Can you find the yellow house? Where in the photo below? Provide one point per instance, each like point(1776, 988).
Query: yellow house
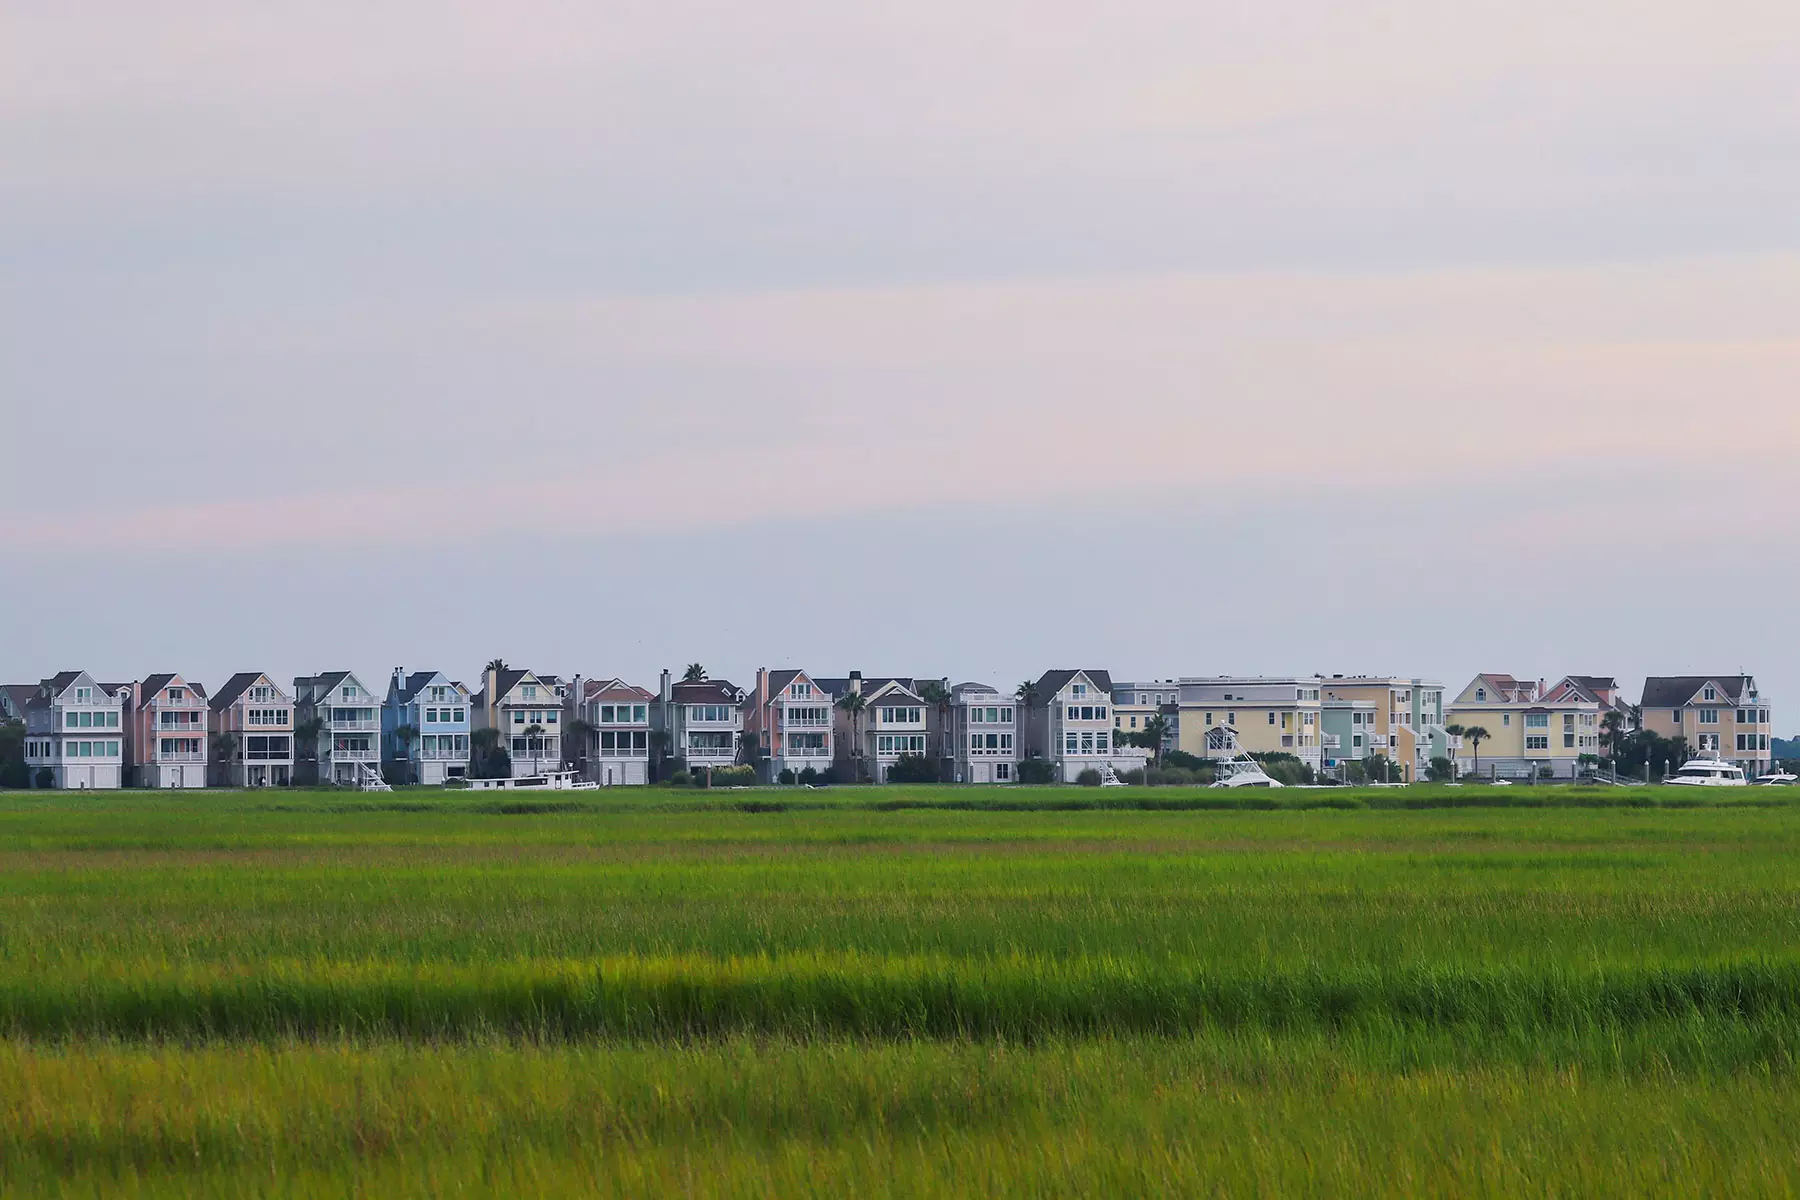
point(1530, 731)
point(1724, 715)
point(1225, 715)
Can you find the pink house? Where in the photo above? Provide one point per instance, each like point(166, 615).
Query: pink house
point(167, 737)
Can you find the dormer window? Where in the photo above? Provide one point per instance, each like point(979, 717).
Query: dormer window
point(529, 692)
point(1711, 693)
point(177, 694)
point(801, 690)
point(84, 695)
point(348, 693)
point(1481, 695)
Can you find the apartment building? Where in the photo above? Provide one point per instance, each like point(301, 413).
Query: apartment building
point(1134, 704)
point(984, 735)
point(1400, 719)
point(1223, 716)
point(1533, 731)
point(75, 732)
point(527, 709)
point(1726, 715)
point(616, 749)
point(1069, 723)
point(258, 718)
point(346, 750)
point(702, 721)
point(167, 743)
point(426, 719)
point(790, 718)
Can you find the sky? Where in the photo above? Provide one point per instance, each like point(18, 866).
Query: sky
point(1171, 337)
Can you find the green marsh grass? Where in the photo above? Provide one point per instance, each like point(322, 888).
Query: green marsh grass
point(899, 992)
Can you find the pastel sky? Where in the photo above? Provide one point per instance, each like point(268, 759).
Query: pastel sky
point(1168, 336)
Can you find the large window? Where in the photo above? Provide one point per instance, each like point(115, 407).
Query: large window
point(1537, 741)
point(1537, 720)
point(1709, 716)
point(709, 712)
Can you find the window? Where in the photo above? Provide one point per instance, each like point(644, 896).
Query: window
point(1002, 771)
point(1506, 719)
point(1481, 695)
point(1568, 720)
point(1568, 741)
point(1711, 693)
point(1231, 718)
point(528, 692)
point(261, 695)
point(84, 695)
point(1537, 741)
point(348, 693)
point(1100, 743)
point(640, 713)
point(801, 690)
point(457, 715)
point(1709, 716)
point(1078, 690)
point(1070, 743)
point(518, 717)
point(1537, 720)
point(1271, 717)
point(1087, 743)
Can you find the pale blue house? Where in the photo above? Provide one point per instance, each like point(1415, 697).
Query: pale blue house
point(437, 709)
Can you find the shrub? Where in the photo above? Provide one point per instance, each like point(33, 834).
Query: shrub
point(1183, 760)
point(741, 776)
point(1036, 770)
point(787, 776)
point(913, 768)
point(810, 776)
point(1088, 778)
point(45, 777)
point(1442, 770)
point(1135, 776)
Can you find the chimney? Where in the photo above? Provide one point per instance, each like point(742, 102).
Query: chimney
point(663, 689)
point(856, 683)
point(399, 680)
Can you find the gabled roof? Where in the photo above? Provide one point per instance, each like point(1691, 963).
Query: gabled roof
point(237, 685)
point(417, 682)
point(779, 681)
point(873, 683)
point(1053, 682)
point(892, 689)
point(706, 691)
point(614, 689)
point(1676, 691)
point(325, 682)
point(16, 696)
point(154, 684)
point(49, 689)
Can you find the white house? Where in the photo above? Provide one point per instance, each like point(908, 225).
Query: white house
point(347, 750)
point(1070, 724)
point(527, 709)
point(702, 720)
point(985, 734)
point(75, 732)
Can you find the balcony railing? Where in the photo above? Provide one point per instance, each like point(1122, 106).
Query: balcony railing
point(181, 756)
point(336, 755)
point(441, 755)
point(356, 725)
point(808, 752)
point(723, 754)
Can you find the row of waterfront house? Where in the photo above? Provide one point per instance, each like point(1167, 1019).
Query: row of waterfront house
point(168, 731)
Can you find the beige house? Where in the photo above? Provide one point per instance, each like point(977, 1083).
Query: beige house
point(1223, 716)
point(1532, 730)
point(1725, 715)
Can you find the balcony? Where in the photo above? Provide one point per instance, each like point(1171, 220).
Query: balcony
point(807, 752)
point(443, 755)
point(180, 756)
point(710, 754)
point(336, 755)
point(807, 723)
point(355, 725)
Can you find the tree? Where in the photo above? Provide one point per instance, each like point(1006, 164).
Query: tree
point(488, 756)
point(913, 768)
point(854, 704)
point(749, 748)
point(224, 750)
point(1441, 770)
point(13, 773)
point(306, 740)
point(404, 737)
point(578, 736)
point(1027, 696)
point(938, 696)
point(1612, 731)
point(659, 754)
point(534, 745)
point(1156, 728)
point(695, 673)
point(497, 664)
point(1476, 735)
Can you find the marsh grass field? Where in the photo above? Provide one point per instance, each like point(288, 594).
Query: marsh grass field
point(900, 991)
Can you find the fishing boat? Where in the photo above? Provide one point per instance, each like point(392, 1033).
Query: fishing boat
point(1242, 771)
point(543, 781)
point(1708, 772)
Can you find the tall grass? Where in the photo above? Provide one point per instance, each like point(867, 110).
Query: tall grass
point(225, 995)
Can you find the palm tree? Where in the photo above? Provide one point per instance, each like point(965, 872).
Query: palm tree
point(1452, 731)
point(659, 752)
point(306, 740)
point(483, 745)
point(404, 737)
point(1476, 735)
point(853, 703)
point(938, 696)
point(1027, 696)
point(534, 744)
point(224, 749)
point(749, 748)
point(498, 664)
point(695, 673)
point(577, 741)
point(1612, 732)
point(1155, 729)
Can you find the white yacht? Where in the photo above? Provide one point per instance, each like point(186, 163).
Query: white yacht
point(1707, 772)
point(1242, 771)
point(545, 781)
point(1777, 779)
